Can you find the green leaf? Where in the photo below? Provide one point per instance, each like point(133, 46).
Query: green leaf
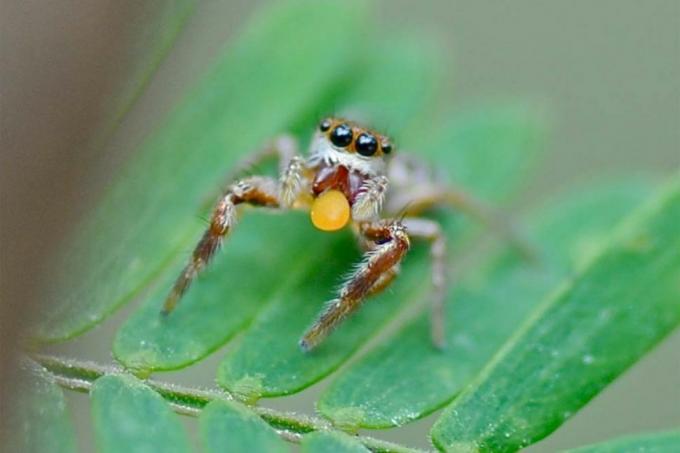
point(598, 208)
point(129, 416)
point(662, 442)
point(42, 422)
point(264, 82)
point(623, 302)
point(509, 136)
point(268, 362)
point(230, 427)
point(404, 378)
point(231, 291)
point(330, 442)
point(223, 300)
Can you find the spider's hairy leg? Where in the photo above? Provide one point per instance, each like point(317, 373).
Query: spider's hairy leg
point(430, 231)
point(384, 281)
point(423, 196)
point(391, 244)
point(255, 190)
point(370, 199)
point(283, 147)
point(292, 181)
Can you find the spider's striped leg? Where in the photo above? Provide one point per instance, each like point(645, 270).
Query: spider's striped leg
point(430, 231)
point(284, 148)
point(392, 243)
point(423, 196)
point(292, 181)
point(384, 281)
point(256, 190)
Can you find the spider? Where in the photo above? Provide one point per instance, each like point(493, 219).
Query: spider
point(351, 177)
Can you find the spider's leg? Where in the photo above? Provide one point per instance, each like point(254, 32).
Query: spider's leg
point(292, 181)
point(429, 230)
point(384, 281)
point(283, 147)
point(255, 190)
point(425, 195)
point(387, 277)
point(370, 199)
point(392, 243)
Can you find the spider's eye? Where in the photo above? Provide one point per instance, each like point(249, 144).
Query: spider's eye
point(325, 125)
point(386, 148)
point(366, 145)
point(341, 136)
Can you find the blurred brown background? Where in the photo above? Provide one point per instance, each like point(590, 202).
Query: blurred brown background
point(609, 71)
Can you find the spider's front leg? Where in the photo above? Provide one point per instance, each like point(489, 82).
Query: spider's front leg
point(391, 244)
point(255, 190)
point(283, 147)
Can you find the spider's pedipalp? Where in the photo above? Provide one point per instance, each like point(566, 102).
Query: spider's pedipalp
point(392, 243)
point(292, 181)
point(370, 199)
point(256, 190)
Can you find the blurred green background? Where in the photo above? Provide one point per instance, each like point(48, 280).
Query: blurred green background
point(607, 72)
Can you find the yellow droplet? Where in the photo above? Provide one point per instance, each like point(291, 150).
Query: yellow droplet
point(330, 211)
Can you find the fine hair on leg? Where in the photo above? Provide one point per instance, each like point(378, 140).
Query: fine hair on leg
point(257, 191)
point(391, 245)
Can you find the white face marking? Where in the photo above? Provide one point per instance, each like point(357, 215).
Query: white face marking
point(322, 150)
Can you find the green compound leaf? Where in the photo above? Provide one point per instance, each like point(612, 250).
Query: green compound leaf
point(229, 427)
point(404, 378)
point(268, 362)
point(260, 85)
point(595, 210)
point(662, 442)
point(331, 442)
point(623, 302)
point(42, 422)
point(267, 254)
point(129, 416)
point(223, 300)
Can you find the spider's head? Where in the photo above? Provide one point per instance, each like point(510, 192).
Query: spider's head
point(341, 142)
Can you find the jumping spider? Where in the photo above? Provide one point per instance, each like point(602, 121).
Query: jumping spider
point(345, 180)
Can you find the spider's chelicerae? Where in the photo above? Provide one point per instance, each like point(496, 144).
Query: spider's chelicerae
point(350, 177)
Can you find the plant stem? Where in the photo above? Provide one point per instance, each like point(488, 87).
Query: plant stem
point(79, 376)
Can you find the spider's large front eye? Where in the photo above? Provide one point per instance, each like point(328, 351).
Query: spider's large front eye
point(341, 136)
point(366, 145)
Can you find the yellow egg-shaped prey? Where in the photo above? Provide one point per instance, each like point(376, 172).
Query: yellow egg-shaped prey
point(330, 211)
